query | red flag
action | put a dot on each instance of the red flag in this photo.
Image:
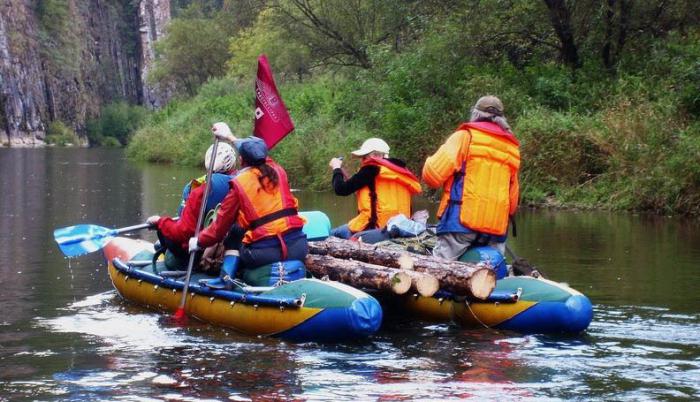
(272, 121)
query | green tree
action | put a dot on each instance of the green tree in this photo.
(340, 32)
(117, 122)
(289, 58)
(193, 51)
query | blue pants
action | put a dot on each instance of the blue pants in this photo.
(368, 236)
(342, 231)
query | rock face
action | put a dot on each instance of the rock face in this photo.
(64, 59)
(153, 16)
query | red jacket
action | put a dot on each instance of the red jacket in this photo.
(181, 230)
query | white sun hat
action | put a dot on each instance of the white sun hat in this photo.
(372, 145)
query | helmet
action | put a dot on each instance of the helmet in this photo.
(225, 160)
(372, 145)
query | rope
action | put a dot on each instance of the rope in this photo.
(281, 271)
(474, 315)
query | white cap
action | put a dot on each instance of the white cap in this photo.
(372, 145)
(225, 160)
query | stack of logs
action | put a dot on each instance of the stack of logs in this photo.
(368, 266)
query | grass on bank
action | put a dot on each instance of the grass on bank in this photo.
(590, 140)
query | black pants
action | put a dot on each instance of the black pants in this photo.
(180, 256)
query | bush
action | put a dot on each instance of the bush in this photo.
(556, 150)
(117, 122)
(58, 133)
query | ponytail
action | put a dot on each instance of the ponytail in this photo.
(268, 179)
(478, 115)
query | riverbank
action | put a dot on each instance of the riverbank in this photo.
(622, 139)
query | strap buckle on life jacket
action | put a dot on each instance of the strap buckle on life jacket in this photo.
(272, 217)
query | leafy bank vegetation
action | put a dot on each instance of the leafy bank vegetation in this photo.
(604, 96)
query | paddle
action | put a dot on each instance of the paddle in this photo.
(78, 240)
(180, 312)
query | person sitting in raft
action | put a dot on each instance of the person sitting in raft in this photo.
(475, 211)
(383, 187)
(174, 234)
(261, 203)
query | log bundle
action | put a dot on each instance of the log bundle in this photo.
(362, 274)
(370, 266)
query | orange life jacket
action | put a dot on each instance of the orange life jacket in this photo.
(488, 158)
(391, 195)
(265, 212)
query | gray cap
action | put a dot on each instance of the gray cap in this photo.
(253, 150)
(490, 104)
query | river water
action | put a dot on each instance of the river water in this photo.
(66, 335)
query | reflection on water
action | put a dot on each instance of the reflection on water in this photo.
(66, 335)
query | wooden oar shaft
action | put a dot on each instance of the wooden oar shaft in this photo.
(200, 220)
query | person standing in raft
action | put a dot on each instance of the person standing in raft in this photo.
(174, 234)
(477, 168)
(261, 203)
(383, 187)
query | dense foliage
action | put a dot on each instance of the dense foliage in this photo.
(115, 125)
(58, 133)
(604, 96)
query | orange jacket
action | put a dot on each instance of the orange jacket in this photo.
(393, 188)
(265, 212)
(489, 158)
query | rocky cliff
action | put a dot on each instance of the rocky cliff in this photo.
(153, 16)
(64, 59)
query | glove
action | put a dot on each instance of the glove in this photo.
(192, 244)
(153, 220)
(222, 132)
(335, 163)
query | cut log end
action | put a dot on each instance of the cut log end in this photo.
(482, 283)
(426, 285)
(400, 283)
(406, 262)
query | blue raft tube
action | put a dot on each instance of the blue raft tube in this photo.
(524, 304)
(287, 305)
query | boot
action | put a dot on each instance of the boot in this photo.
(227, 274)
(230, 265)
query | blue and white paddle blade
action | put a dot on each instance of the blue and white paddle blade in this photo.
(79, 240)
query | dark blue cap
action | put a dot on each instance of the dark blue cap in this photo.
(253, 150)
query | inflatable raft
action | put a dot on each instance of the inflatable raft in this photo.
(525, 304)
(519, 303)
(300, 311)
